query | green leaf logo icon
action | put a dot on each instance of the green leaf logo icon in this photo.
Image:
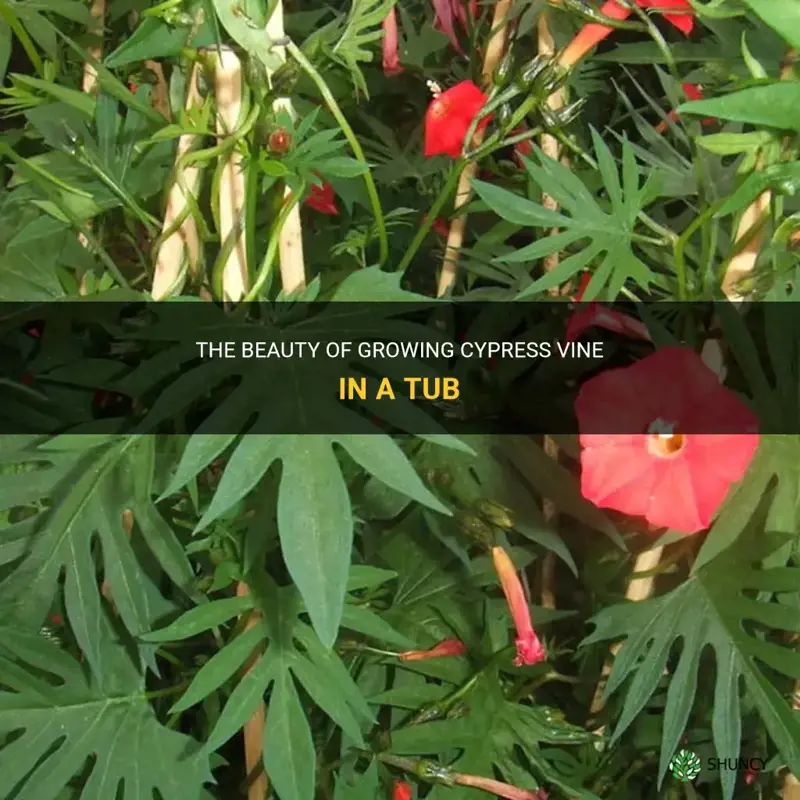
(685, 766)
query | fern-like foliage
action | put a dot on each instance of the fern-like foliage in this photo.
(361, 28)
(53, 720)
(716, 608)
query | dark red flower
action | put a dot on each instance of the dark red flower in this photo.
(595, 315)
(523, 148)
(529, 649)
(447, 647)
(593, 33)
(751, 774)
(323, 199)
(401, 791)
(391, 44)
(27, 379)
(449, 117)
(447, 13)
(693, 92)
(691, 439)
(57, 619)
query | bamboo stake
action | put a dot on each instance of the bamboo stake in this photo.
(181, 250)
(550, 147)
(160, 97)
(455, 236)
(290, 242)
(228, 91)
(253, 731)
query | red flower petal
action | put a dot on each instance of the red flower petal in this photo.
(449, 117)
(673, 480)
(401, 791)
(323, 199)
(593, 33)
(391, 44)
(529, 648)
(447, 647)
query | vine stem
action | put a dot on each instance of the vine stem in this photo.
(458, 226)
(297, 54)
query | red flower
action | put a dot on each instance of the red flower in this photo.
(401, 791)
(391, 44)
(751, 774)
(323, 199)
(523, 148)
(449, 117)
(592, 33)
(693, 92)
(692, 440)
(279, 141)
(57, 619)
(440, 225)
(27, 379)
(529, 648)
(447, 13)
(447, 647)
(595, 315)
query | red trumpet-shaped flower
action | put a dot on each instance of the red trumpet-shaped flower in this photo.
(391, 44)
(500, 789)
(593, 33)
(594, 315)
(450, 116)
(447, 647)
(323, 199)
(447, 13)
(529, 649)
(691, 439)
(401, 791)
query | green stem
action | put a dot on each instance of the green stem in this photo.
(333, 107)
(443, 196)
(680, 247)
(272, 248)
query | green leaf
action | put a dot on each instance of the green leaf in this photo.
(221, 667)
(361, 31)
(776, 106)
(380, 456)
(315, 523)
(57, 726)
(603, 235)
(782, 15)
(201, 619)
(709, 609)
(342, 167)
(289, 755)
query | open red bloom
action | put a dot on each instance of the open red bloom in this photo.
(449, 117)
(447, 647)
(401, 791)
(693, 92)
(391, 44)
(593, 33)
(691, 439)
(529, 649)
(595, 315)
(323, 199)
